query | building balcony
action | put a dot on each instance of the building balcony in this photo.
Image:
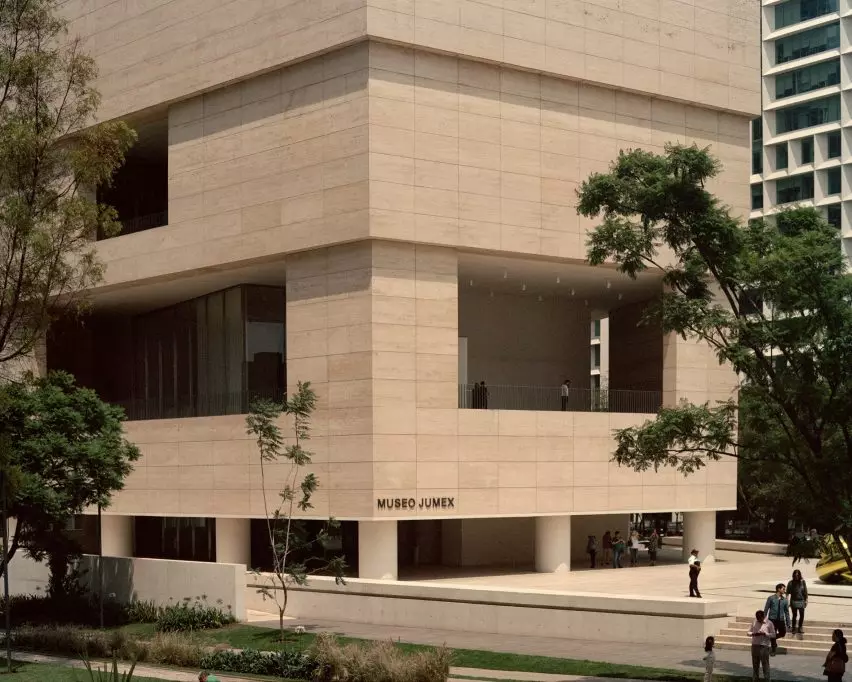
(552, 399)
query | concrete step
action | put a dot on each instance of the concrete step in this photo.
(810, 624)
(737, 644)
(815, 637)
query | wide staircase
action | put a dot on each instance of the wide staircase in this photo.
(815, 642)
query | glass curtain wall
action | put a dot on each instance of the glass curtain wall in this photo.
(817, 112)
(806, 43)
(796, 11)
(211, 355)
(807, 78)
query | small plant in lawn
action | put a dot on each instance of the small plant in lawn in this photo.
(107, 673)
(288, 664)
(289, 539)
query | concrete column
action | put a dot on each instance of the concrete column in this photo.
(699, 532)
(553, 544)
(377, 550)
(233, 541)
(117, 535)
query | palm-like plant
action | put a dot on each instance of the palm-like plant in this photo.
(107, 673)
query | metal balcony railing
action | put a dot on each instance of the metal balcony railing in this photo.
(550, 399)
(203, 405)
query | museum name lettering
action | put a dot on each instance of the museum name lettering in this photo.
(411, 503)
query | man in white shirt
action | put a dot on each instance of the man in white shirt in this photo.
(693, 557)
(565, 392)
(762, 633)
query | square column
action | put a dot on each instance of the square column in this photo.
(377, 550)
(117, 535)
(233, 541)
(699, 532)
(553, 544)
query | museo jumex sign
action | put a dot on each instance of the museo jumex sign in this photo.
(425, 503)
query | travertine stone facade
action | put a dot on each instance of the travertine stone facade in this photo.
(704, 51)
(359, 151)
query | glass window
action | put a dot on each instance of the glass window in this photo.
(808, 150)
(596, 329)
(596, 357)
(833, 215)
(807, 43)
(757, 145)
(817, 112)
(757, 196)
(209, 356)
(795, 11)
(596, 382)
(795, 188)
(833, 140)
(807, 78)
(781, 156)
(266, 309)
(833, 176)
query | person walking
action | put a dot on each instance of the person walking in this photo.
(835, 662)
(797, 594)
(709, 658)
(592, 549)
(606, 542)
(693, 557)
(694, 570)
(653, 546)
(777, 610)
(207, 677)
(634, 548)
(762, 633)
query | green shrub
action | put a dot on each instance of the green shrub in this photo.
(165, 648)
(376, 662)
(143, 611)
(77, 609)
(292, 664)
(192, 615)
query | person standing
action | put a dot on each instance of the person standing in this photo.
(565, 391)
(777, 610)
(653, 546)
(694, 570)
(835, 662)
(634, 548)
(709, 658)
(762, 635)
(693, 557)
(797, 593)
(483, 392)
(592, 549)
(606, 541)
(617, 550)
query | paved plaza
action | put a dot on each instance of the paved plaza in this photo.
(738, 576)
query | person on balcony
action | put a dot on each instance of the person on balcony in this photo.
(566, 394)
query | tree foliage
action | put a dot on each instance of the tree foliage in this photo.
(64, 451)
(295, 549)
(771, 298)
(51, 158)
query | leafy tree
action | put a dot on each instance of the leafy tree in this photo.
(294, 547)
(51, 157)
(65, 450)
(772, 299)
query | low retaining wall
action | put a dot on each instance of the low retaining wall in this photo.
(498, 611)
(164, 581)
(735, 545)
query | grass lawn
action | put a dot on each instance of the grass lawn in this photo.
(266, 639)
(33, 672)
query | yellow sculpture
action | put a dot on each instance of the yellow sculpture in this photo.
(832, 567)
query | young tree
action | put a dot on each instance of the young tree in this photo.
(51, 158)
(66, 452)
(771, 298)
(293, 546)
